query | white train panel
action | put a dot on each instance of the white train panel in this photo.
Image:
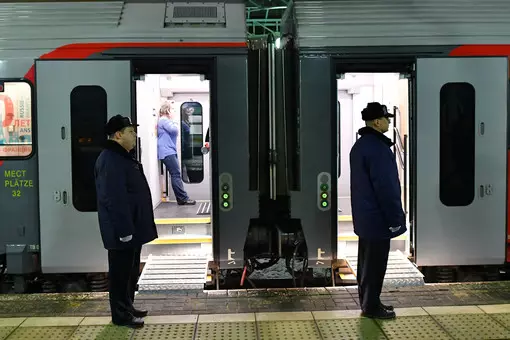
(461, 165)
(70, 241)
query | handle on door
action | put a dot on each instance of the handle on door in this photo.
(482, 191)
(64, 197)
(63, 132)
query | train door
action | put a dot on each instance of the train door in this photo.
(193, 111)
(75, 99)
(461, 169)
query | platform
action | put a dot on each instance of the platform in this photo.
(423, 323)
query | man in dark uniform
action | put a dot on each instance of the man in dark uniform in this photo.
(126, 217)
(376, 207)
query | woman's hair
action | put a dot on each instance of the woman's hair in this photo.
(188, 111)
(165, 109)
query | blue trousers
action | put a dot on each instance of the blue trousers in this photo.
(172, 164)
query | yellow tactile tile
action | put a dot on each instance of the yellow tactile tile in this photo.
(170, 319)
(52, 321)
(284, 316)
(96, 321)
(235, 317)
(11, 322)
(336, 314)
(410, 311)
(495, 309)
(450, 310)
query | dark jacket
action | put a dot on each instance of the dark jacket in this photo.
(375, 187)
(124, 199)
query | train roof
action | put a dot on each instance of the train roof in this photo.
(334, 23)
(46, 25)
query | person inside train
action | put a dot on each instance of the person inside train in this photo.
(168, 130)
(126, 218)
(207, 144)
(377, 212)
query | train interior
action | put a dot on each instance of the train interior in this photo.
(354, 91)
(181, 228)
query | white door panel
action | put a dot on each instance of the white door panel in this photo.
(70, 239)
(459, 221)
(196, 191)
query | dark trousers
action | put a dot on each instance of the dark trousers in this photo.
(172, 164)
(124, 268)
(372, 262)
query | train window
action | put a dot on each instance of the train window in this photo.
(15, 119)
(457, 144)
(192, 159)
(88, 119)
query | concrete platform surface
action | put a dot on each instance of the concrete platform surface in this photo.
(256, 300)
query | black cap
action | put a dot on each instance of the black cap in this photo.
(117, 123)
(375, 110)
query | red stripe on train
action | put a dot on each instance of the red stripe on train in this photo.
(85, 50)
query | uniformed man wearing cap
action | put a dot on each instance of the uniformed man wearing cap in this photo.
(377, 212)
(126, 217)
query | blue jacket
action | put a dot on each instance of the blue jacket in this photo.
(124, 202)
(375, 188)
(167, 137)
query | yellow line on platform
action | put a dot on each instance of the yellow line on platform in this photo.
(206, 220)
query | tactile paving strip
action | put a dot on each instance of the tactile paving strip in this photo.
(42, 333)
(110, 332)
(288, 330)
(502, 318)
(226, 330)
(5, 331)
(350, 329)
(183, 331)
(413, 327)
(472, 326)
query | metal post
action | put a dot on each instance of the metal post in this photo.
(272, 118)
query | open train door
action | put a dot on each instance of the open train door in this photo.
(461, 163)
(75, 99)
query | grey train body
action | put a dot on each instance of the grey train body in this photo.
(41, 232)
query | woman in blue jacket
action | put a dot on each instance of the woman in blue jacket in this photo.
(168, 130)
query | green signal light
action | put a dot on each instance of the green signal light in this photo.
(324, 195)
(324, 204)
(225, 204)
(324, 187)
(225, 196)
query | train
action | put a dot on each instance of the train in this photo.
(279, 131)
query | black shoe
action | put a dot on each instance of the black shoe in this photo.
(188, 202)
(133, 322)
(380, 314)
(137, 313)
(387, 307)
